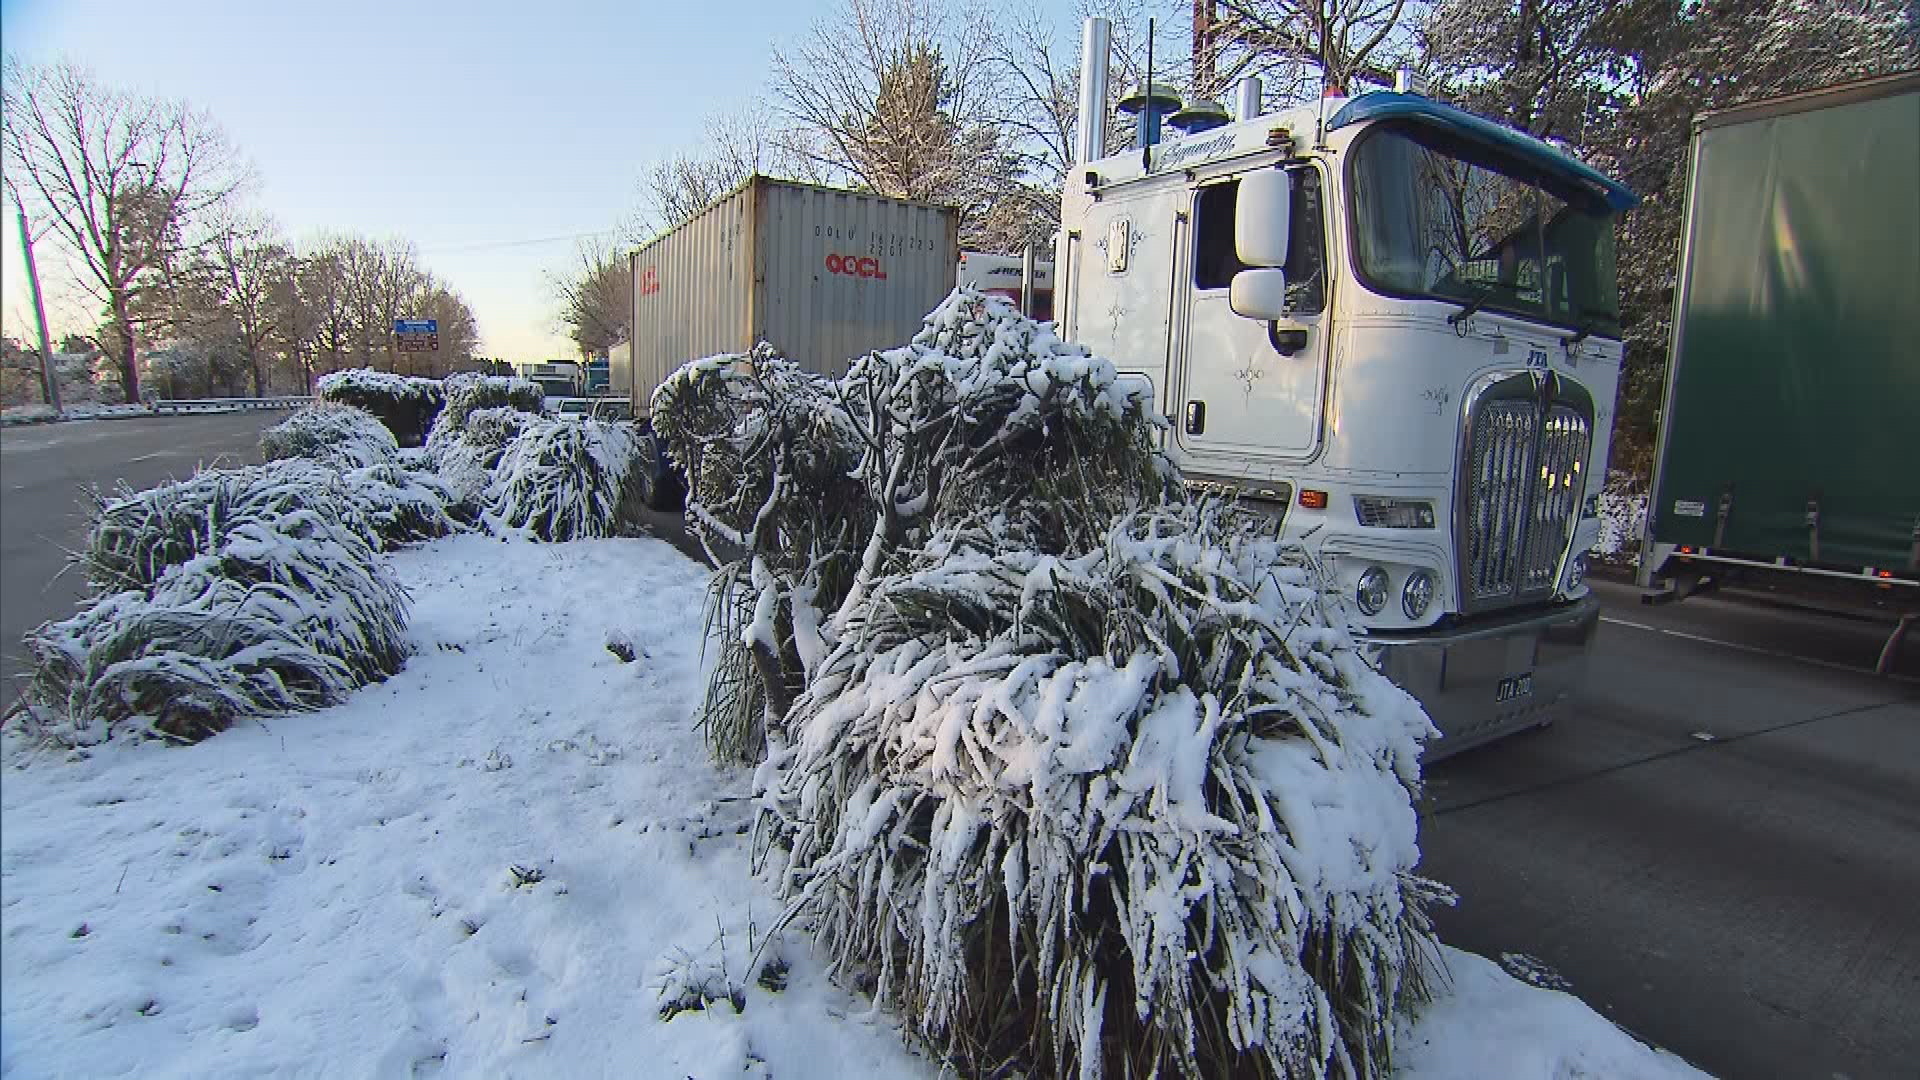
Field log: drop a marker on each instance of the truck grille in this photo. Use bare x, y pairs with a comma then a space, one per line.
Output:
1524, 482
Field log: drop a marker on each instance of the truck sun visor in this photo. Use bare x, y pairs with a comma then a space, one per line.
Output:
1386, 105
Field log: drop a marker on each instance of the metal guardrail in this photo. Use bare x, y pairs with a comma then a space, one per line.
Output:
216, 405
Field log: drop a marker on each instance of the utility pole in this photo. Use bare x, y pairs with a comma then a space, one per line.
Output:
49, 381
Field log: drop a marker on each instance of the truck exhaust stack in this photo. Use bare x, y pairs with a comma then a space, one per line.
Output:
1090, 137
1246, 98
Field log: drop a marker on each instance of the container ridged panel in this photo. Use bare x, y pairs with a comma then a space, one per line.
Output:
695, 302
819, 260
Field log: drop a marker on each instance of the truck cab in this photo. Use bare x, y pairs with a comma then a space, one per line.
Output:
1393, 326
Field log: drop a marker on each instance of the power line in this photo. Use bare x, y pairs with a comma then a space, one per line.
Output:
496, 244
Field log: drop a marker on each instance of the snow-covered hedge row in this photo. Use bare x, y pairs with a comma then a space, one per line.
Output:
236, 593
566, 479
343, 436
406, 404
1083, 776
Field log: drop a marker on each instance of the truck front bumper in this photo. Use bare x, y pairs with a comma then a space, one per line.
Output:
1491, 679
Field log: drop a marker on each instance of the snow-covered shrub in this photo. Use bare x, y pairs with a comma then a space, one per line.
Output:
137, 536
985, 416
343, 436
1144, 808
468, 392
567, 479
236, 593
467, 457
1623, 516
1078, 774
406, 404
403, 505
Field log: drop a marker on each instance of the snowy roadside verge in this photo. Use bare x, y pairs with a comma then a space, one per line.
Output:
353, 891
44, 414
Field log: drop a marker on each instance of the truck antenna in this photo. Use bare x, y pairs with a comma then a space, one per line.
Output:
1146, 114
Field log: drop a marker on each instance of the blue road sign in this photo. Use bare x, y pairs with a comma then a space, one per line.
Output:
416, 326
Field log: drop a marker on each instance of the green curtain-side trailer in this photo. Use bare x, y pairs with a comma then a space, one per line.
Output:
1790, 435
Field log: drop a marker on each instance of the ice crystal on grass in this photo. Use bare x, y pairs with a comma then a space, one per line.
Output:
343, 436
1076, 774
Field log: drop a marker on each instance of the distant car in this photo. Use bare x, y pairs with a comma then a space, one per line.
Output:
570, 406
613, 409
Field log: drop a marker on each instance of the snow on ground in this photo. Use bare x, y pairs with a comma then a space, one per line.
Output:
502, 862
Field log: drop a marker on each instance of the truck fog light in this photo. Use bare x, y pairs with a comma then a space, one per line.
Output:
1576, 572
1372, 593
1417, 595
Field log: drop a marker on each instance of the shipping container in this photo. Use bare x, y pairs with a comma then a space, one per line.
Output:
1787, 445
824, 275
620, 371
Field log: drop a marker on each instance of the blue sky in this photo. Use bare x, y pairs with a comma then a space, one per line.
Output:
479, 130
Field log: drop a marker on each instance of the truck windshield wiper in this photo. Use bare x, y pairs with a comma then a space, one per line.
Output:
1479, 299
1588, 322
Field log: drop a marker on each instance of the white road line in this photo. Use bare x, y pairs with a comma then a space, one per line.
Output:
146, 457
1754, 649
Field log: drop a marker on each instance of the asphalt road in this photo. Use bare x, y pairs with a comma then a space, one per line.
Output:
1718, 845
44, 471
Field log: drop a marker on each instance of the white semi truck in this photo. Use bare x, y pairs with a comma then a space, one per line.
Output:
1394, 325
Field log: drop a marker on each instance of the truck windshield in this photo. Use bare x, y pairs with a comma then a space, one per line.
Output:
1444, 218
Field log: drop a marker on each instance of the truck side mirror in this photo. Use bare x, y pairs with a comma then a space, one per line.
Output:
1260, 217
1260, 293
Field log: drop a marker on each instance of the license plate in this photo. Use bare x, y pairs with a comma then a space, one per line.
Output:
1513, 687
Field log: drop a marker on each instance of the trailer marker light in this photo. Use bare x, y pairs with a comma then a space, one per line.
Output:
1313, 500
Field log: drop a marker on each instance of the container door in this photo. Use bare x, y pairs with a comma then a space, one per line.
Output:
1250, 388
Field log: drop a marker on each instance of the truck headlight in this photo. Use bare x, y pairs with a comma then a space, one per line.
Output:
1576, 572
1417, 594
1371, 595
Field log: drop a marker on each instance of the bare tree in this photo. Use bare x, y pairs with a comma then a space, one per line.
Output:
1037, 88
1304, 48
245, 261
736, 146
895, 97
596, 299
122, 178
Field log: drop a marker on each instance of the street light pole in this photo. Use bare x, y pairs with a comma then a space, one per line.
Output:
49, 380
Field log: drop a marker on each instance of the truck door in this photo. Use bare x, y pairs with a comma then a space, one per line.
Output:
1247, 389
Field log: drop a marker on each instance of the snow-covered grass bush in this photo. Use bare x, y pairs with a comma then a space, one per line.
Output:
1623, 516
468, 392
1078, 775
403, 505
406, 404
236, 593
467, 457
137, 536
342, 436
567, 480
